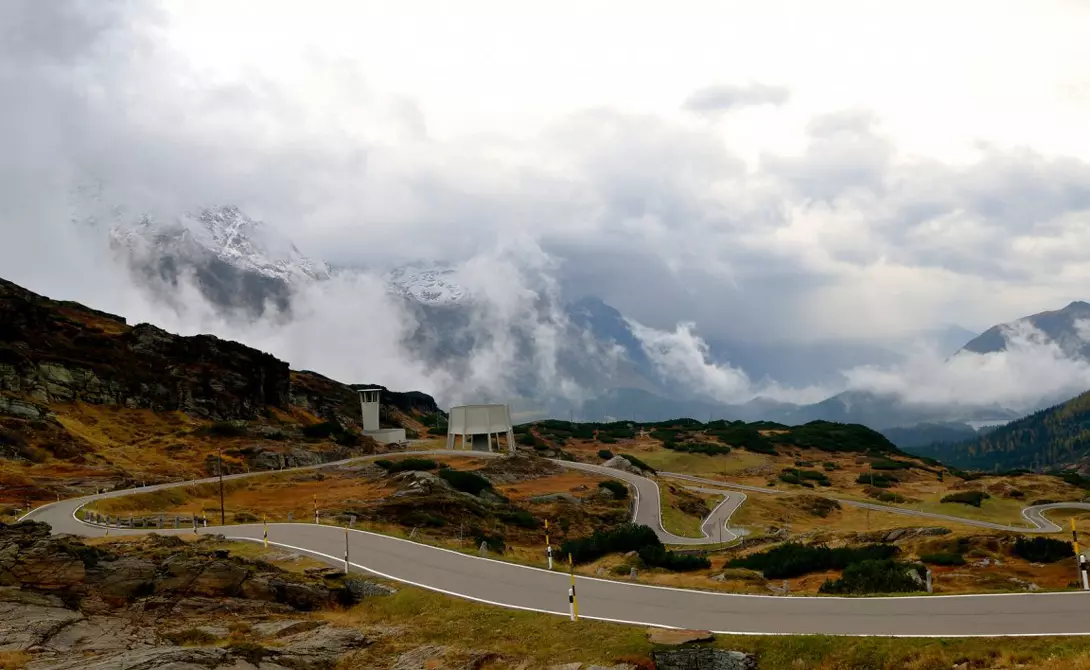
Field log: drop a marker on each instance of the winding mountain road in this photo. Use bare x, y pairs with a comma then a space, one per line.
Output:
1033, 514
536, 589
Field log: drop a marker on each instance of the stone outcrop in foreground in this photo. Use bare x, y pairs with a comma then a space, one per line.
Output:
68, 605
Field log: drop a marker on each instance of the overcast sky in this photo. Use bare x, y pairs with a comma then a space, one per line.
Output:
768, 170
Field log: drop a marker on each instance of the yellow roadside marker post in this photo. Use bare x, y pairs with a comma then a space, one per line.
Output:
573, 603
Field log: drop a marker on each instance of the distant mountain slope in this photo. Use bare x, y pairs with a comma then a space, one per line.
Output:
1055, 437
1069, 328
926, 434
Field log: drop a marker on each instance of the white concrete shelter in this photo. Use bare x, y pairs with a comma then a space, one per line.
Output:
480, 423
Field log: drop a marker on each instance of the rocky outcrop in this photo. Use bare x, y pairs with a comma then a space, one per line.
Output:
623, 464
703, 659
54, 352
334, 401
71, 606
34, 560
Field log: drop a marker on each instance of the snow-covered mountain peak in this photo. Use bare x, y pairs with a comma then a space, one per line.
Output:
431, 285
228, 234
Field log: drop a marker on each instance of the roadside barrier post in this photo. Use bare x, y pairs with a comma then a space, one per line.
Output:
1080, 559
351, 522
573, 602
929, 580
548, 546
315, 508
265, 531
1083, 567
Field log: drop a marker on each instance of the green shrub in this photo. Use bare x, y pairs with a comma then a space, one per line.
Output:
880, 479
422, 518
789, 477
876, 576
638, 463
526, 439
631, 537
830, 466
384, 463
10, 438
624, 538
943, 558
348, 439
885, 496
411, 434
659, 557
520, 518
705, 448
408, 464
322, 430
466, 482
223, 429
1042, 549
605, 454
244, 517
607, 439
973, 498
496, 542
793, 559
619, 490
889, 464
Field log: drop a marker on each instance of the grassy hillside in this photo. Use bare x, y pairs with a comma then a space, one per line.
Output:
88, 401
716, 437
1056, 437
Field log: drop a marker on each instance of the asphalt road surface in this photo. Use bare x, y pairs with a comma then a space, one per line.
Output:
522, 587
1032, 514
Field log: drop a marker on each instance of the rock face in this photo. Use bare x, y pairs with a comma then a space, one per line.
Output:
703, 659
58, 352
71, 606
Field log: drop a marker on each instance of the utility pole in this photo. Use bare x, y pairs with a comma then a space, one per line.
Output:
223, 515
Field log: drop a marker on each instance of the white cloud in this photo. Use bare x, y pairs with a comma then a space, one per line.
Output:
682, 356
877, 199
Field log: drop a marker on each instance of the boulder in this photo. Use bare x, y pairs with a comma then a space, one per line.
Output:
319, 648
697, 658
623, 464
675, 638
359, 589
124, 579
219, 578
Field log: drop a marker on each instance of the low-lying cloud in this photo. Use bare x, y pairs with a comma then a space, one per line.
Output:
849, 237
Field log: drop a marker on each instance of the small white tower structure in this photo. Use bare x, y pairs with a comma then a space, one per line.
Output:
369, 411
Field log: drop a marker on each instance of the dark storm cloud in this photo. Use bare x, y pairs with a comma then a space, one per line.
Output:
723, 98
